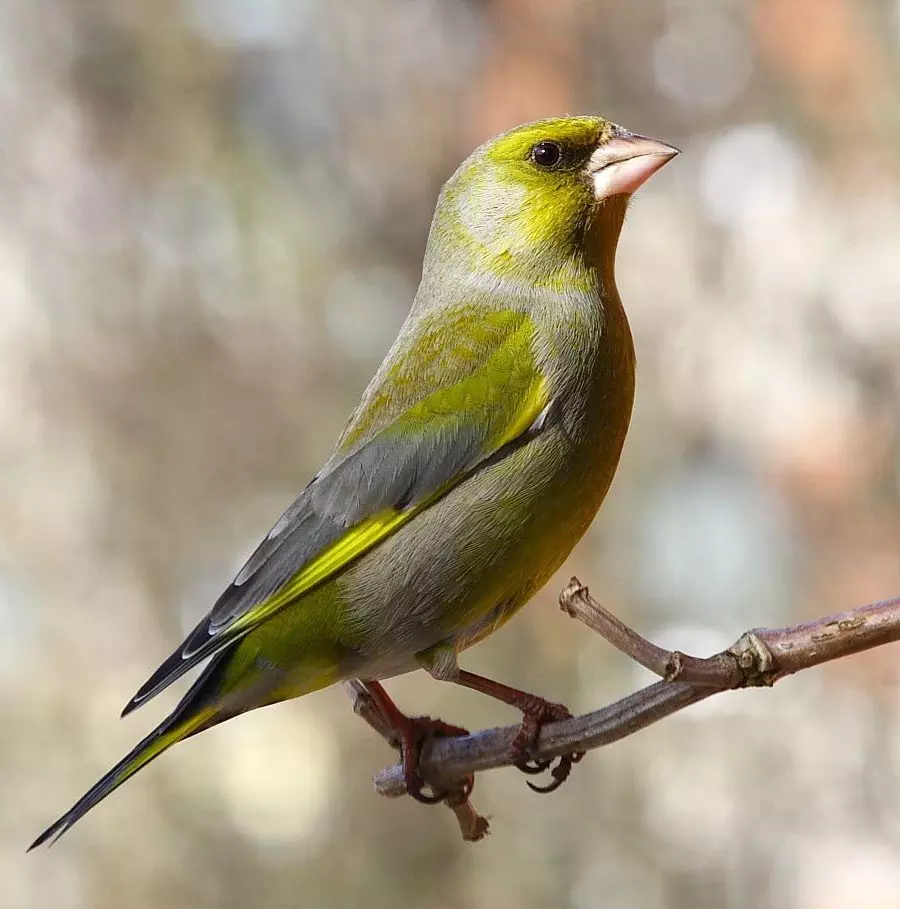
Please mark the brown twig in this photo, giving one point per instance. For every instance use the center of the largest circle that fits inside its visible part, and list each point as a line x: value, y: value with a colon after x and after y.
x: 576, y: 601
x: 758, y: 658
x: 365, y: 707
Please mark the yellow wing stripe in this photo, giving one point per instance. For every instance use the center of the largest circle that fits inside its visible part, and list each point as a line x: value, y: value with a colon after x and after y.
x: 354, y: 543
x: 361, y: 538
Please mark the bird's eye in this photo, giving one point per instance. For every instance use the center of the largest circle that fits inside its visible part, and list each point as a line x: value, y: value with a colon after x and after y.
x: 546, y: 154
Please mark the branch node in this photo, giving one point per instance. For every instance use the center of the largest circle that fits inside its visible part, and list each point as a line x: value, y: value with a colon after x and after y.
x: 572, y: 590
x: 754, y: 660
x: 675, y: 666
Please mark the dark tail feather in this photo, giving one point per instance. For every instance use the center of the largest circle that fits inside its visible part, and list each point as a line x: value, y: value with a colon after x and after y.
x: 198, y: 647
x: 188, y: 717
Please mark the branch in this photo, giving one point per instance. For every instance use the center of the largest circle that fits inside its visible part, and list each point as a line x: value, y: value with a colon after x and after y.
x: 758, y: 658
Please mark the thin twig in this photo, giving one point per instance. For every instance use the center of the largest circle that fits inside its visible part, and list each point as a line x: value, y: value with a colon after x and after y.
x: 669, y: 665
x: 365, y: 707
x: 758, y: 658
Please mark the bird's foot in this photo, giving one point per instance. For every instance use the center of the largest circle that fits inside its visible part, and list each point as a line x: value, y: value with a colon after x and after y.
x: 409, y: 734
x: 536, y: 712
x: 413, y: 733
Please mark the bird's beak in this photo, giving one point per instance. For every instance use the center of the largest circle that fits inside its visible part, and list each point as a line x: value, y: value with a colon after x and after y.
x: 626, y: 161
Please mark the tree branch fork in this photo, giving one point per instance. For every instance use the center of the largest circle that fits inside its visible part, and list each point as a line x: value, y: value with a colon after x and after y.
x: 758, y: 658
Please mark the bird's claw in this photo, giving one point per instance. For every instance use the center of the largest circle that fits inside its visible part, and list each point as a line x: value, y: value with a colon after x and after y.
x: 535, y: 714
x: 531, y: 766
x: 560, y: 773
x: 412, y: 738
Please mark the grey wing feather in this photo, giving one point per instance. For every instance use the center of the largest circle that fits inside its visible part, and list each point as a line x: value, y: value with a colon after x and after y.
x: 386, y: 472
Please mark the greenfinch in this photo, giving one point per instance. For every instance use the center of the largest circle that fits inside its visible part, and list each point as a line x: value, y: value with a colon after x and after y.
x: 477, y: 457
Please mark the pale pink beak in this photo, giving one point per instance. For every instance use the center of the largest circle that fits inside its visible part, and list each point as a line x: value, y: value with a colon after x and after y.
x: 625, y: 162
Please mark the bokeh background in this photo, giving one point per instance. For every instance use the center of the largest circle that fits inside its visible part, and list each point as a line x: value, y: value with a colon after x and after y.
x: 212, y: 220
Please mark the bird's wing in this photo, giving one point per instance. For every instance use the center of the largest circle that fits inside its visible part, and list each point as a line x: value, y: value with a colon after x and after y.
x: 453, y: 392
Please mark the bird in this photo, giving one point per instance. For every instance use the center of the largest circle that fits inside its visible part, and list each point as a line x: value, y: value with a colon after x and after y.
x: 477, y: 457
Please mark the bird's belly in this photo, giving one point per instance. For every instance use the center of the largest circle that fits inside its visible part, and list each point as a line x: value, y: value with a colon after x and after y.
x: 467, y: 563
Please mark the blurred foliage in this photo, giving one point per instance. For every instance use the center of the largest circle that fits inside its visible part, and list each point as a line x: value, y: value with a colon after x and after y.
x: 214, y: 214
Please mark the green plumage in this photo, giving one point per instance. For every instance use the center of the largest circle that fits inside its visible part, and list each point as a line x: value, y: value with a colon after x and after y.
x: 477, y: 457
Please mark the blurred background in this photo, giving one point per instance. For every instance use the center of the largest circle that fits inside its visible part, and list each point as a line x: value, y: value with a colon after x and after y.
x: 212, y: 222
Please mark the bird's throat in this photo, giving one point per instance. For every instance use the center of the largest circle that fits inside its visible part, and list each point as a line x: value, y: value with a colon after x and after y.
x: 601, y: 239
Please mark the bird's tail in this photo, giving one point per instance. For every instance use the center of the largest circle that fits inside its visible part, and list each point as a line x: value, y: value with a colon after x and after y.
x: 191, y: 715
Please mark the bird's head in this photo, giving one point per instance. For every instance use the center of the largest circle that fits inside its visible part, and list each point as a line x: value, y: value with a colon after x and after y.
x: 544, y: 199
